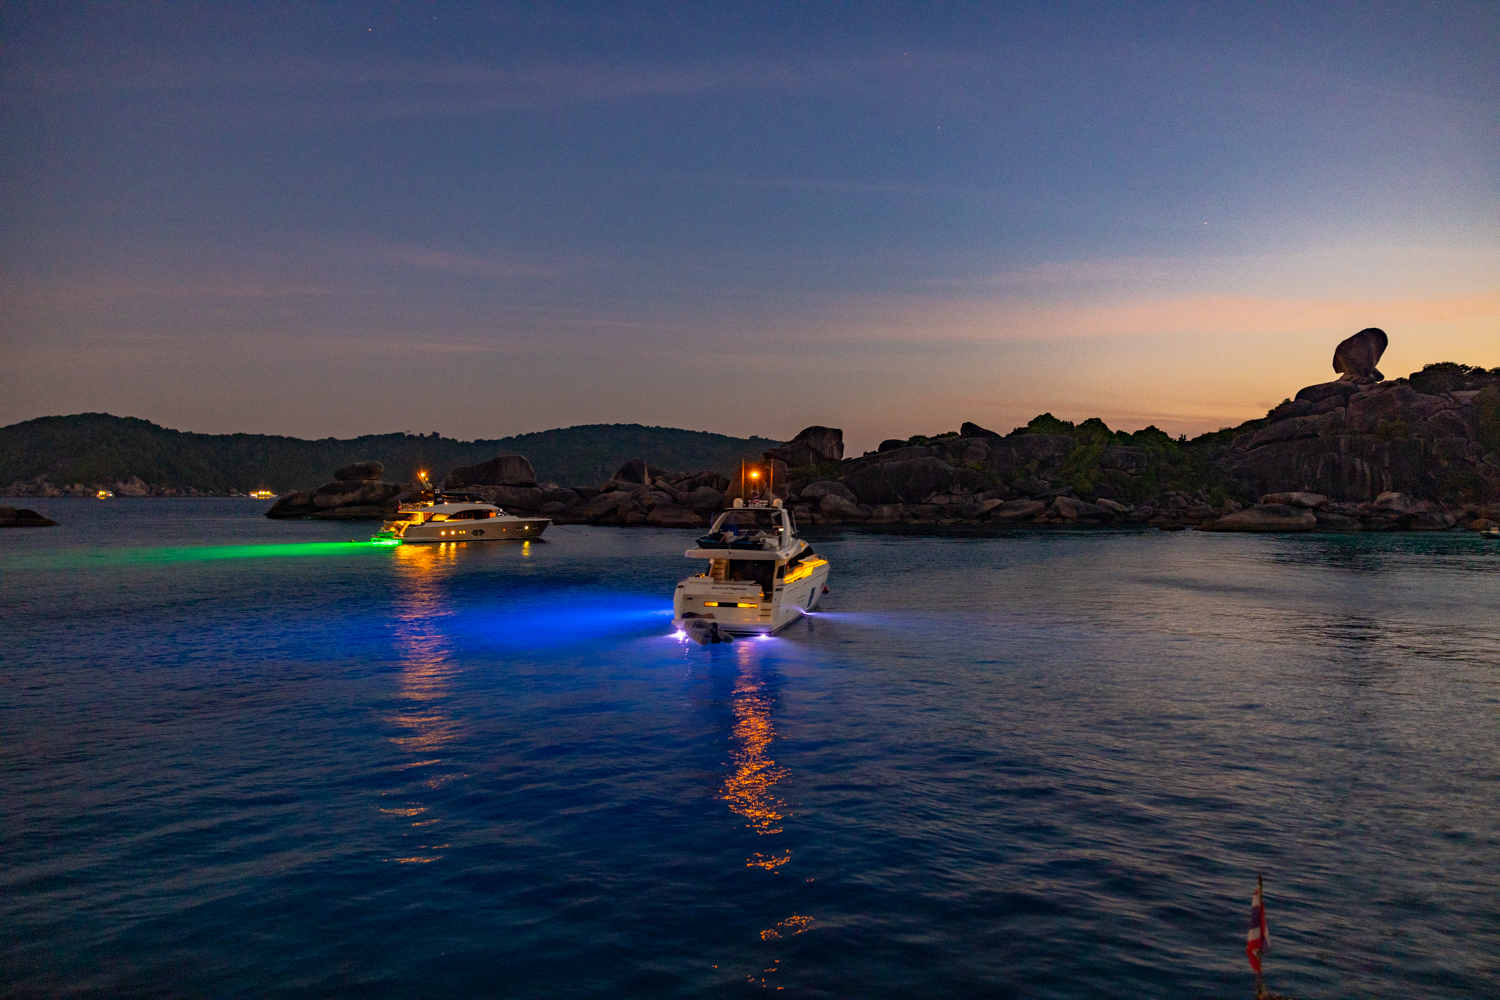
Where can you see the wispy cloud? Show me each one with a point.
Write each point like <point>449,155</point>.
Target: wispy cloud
<point>837,186</point>
<point>105,288</point>
<point>924,322</point>
<point>442,261</point>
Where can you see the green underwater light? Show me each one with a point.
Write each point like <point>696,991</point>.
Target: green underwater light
<point>198,553</point>
<point>161,555</point>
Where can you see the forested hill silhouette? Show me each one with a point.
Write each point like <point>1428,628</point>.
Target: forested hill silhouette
<point>101,448</point>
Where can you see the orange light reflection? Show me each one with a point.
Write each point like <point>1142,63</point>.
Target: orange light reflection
<point>748,788</point>
<point>787,928</point>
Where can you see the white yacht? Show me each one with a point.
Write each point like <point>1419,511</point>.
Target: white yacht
<point>761,577</point>
<point>456,517</point>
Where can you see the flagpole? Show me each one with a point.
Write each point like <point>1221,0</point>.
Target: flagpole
<point>1257,938</point>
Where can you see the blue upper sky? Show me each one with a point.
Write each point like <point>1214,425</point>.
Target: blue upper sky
<point>483,220</point>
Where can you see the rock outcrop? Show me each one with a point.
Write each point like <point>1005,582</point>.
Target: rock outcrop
<point>637,494</point>
<point>910,480</point>
<point>825,487</point>
<point>12,517</point>
<point>634,472</point>
<point>502,470</point>
<point>810,447</point>
<point>1322,461</point>
<point>1351,441</point>
<point>343,500</point>
<point>1272,517</point>
<point>1308,511</point>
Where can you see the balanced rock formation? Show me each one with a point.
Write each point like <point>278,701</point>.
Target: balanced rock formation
<point>1355,358</point>
<point>811,446</point>
<point>359,472</point>
<point>502,470</point>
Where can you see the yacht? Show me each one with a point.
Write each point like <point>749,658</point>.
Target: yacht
<point>457,517</point>
<point>761,577</point>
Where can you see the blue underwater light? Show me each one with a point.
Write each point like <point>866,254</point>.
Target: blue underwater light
<point>562,618</point>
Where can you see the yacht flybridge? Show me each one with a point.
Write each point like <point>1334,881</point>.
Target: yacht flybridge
<point>458,517</point>
<point>761,577</point>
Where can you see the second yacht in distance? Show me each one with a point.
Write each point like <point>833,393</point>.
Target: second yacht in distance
<point>457,517</point>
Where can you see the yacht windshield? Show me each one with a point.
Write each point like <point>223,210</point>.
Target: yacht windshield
<point>749,521</point>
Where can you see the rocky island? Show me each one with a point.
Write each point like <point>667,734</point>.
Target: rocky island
<point>1358,453</point>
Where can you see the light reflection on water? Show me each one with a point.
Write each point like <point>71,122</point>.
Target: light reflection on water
<point>423,687</point>
<point>749,788</point>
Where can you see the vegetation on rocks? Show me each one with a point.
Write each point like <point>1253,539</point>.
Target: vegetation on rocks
<point>76,455</point>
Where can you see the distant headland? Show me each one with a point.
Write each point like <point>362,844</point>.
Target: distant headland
<point>81,454</point>
<point>1360,453</point>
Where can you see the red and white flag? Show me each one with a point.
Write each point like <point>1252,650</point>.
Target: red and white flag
<point>1257,938</point>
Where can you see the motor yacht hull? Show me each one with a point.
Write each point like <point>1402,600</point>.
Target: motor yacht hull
<point>744,608</point>
<point>494,529</point>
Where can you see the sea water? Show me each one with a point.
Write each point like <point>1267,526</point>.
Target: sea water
<point>241,757</point>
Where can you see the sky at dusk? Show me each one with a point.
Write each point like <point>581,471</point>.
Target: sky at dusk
<point>484,220</point>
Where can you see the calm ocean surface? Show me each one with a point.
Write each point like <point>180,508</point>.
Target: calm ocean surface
<point>238,762</point>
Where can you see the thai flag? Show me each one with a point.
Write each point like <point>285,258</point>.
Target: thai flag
<point>1257,937</point>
